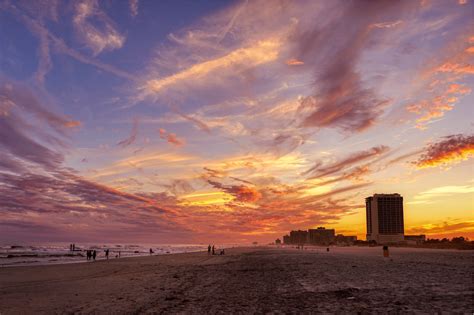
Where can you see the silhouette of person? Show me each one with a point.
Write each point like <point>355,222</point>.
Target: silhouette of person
<point>213,250</point>
<point>151,251</point>
<point>209,249</point>
<point>94,254</point>
<point>107,253</point>
<point>88,254</point>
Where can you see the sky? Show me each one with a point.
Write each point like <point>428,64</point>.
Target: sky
<point>233,121</point>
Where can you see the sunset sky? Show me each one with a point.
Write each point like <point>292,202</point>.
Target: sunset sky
<point>233,121</point>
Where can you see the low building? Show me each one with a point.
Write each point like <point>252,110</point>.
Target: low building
<point>278,241</point>
<point>321,236</point>
<point>345,240</point>
<point>286,240</point>
<point>415,239</point>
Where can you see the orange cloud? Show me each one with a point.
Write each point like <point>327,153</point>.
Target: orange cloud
<point>170,137</point>
<point>458,68</point>
<point>437,105</point>
<point>453,149</point>
<point>386,24</point>
<point>72,124</point>
<point>247,194</point>
<point>294,62</point>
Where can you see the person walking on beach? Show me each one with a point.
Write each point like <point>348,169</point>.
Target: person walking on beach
<point>107,253</point>
<point>94,254</point>
<point>209,249</point>
<point>151,251</point>
<point>88,254</point>
<point>213,250</point>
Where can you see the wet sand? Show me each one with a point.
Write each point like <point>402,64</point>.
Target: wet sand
<point>249,280</point>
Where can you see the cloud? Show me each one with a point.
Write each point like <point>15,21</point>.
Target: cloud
<point>386,24</point>
<point>133,7</point>
<point>262,52</point>
<point>443,82</point>
<point>438,105</point>
<point>294,62</point>
<point>355,174</point>
<point>132,137</point>
<point>95,28</point>
<point>319,170</point>
<point>240,192</point>
<point>48,41</point>
<point>451,150</point>
<point>28,128</point>
<point>170,137</point>
<point>198,123</point>
<point>443,228</point>
<point>341,99</point>
<point>62,197</point>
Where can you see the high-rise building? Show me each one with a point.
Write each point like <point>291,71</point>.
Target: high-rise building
<point>385,218</point>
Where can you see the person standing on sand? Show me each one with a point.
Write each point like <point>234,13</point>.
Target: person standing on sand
<point>209,249</point>
<point>94,254</point>
<point>107,253</point>
<point>213,250</point>
<point>151,251</point>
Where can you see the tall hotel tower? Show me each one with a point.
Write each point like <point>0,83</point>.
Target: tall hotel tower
<point>385,218</point>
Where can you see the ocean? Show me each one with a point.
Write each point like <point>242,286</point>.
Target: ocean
<point>60,253</point>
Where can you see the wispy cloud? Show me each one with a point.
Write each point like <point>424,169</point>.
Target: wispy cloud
<point>320,170</point>
<point>133,7</point>
<point>132,137</point>
<point>450,150</point>
<point>170,137</point>
<point>95,28</point>
<point>21,108</point>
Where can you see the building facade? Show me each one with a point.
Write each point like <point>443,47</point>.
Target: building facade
<point>298,237</point>
<point>321,236</point>
<point>415,239</point>
<point>345,240</point>
<point>384,215</point>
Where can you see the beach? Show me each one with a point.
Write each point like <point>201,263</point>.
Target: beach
<point>249,280</point>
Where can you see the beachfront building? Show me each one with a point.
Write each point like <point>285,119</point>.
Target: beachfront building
<point>415,239</point>
<point>278,241</point>
<point>384,214</point>
<point>321,236</point>
<point>298,237</point>
<point>286,239</point>
<point>345,240</point>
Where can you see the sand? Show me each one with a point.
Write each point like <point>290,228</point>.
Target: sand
<point>249,280</point>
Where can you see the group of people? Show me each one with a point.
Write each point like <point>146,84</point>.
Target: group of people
<point>91,254</point>
<point>72,247</point>
<point>212,250</point>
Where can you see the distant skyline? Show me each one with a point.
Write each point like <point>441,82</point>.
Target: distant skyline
<point>233,121</point>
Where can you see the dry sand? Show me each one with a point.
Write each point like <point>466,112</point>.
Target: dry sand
<point>249,280</point>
